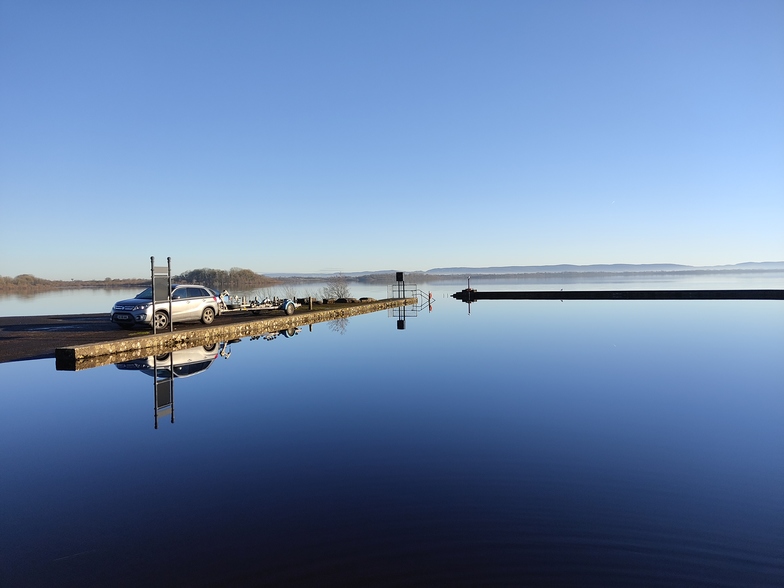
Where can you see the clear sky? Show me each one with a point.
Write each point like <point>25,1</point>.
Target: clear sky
<point>328,135</point>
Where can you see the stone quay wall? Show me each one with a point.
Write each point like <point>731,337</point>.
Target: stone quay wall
<point>97,354</point>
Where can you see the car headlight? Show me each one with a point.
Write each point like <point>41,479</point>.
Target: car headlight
<point>142,306</point>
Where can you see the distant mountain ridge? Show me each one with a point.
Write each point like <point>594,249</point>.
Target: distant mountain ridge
<point>605,268</point>
<point>559,268</point>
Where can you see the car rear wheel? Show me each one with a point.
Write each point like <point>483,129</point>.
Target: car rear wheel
<point>161,320</point>
<point>208,315</point>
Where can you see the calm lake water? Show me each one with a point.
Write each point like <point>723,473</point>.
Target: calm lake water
<point>577,443</point>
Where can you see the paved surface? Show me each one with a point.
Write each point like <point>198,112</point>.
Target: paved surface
<point>36,337</point>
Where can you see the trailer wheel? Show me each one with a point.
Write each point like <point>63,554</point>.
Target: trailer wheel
<point>289,309</point>
<point>161,320</point>
<point>208,315</point>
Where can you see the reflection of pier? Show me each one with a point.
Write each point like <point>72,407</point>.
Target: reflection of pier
<point>470,295</point>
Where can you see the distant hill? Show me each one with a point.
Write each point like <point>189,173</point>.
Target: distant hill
<point>28,283</point>
<point>603,268</point>
<point>764,265</point>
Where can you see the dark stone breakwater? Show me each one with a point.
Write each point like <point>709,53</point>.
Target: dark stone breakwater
<point>471,295</point>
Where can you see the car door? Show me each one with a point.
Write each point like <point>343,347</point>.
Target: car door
<point>181,305</point>
<point>198,301</point>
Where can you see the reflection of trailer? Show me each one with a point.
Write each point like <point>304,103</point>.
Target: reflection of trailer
<point>229,303</point>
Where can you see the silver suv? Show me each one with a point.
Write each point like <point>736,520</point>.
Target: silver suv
<point>189,303</point>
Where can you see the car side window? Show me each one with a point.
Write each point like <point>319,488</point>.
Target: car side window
<point>195,293</point>
<point>179,293</point>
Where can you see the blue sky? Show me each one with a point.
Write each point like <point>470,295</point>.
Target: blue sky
<point>346,136</point>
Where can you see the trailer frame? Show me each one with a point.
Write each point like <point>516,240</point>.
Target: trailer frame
<point>229,303</point>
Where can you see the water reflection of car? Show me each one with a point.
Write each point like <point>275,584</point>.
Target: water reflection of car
<point>189,303</point>
<point>178,364</point>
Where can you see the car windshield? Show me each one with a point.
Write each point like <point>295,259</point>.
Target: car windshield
<point>146,294</point>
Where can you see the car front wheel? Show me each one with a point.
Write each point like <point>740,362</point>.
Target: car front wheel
<point>161,320</point>
<point>208,316</point>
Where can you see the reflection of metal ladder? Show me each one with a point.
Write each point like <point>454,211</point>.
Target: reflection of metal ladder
<point>402,290</point>
<point>163,383</point>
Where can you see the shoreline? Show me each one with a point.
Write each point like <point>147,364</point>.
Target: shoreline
<point>56,285</point>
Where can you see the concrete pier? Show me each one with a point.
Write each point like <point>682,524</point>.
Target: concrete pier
<point>91,355</point>
<point>471,295</point>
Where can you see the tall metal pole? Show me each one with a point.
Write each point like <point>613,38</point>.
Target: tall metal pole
<point>469,295</point>
<point>171,322</point>
<point>152,279</point>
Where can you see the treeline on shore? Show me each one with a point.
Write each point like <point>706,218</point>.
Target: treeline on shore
<point>245,279</point>
<point>31,283</point>
<point>233,279</point>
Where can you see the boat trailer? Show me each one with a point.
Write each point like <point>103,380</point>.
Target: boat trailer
<point>229,303</point>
